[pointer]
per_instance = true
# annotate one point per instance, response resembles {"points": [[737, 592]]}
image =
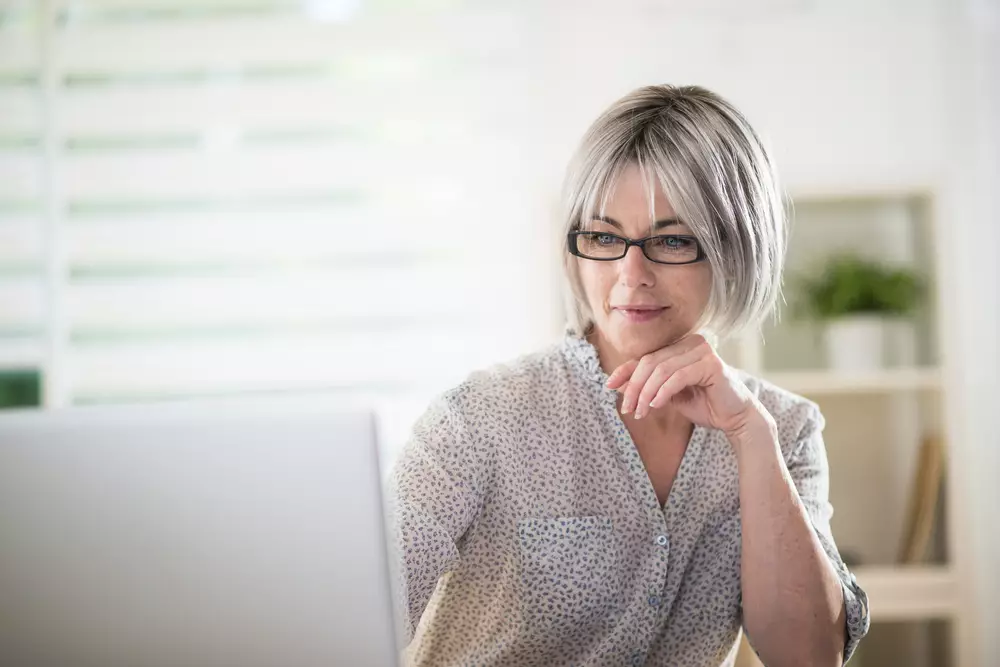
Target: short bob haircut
{"points": [[719, 178]]}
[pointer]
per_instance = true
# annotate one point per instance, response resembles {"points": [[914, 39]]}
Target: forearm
{"points": [[793, 605], [429, 509]]}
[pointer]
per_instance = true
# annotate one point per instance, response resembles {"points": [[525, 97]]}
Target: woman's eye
{"points": [[674, 242], [605, 239]]}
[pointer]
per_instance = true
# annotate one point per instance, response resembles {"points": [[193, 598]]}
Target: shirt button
{"points": [[662, 540], [637, 659], [654, 600]]}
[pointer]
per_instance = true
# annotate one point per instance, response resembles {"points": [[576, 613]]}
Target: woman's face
{"points": [[638, 305]]}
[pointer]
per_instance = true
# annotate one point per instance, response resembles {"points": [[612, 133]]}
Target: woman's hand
{"points": [[691, 377]]}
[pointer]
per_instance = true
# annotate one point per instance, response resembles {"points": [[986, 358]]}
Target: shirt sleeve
{"points": [[810, 473], [432, 498]]}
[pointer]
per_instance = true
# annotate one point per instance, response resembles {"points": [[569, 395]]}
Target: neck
{"points": [[665, 419], [608, 355]]}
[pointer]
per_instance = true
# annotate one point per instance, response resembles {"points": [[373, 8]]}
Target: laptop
{"points": [[217, 533]]}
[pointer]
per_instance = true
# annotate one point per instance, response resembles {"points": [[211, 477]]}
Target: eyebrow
{"points": [[658, 225]]}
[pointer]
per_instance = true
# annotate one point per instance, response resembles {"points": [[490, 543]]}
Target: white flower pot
{"points": [[855, 343], [900, 343]]}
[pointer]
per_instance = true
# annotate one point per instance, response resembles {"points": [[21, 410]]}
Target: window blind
{"points": [[22, 205], [258, 195]]}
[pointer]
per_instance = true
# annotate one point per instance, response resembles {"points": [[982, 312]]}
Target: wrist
{"points": [[754, 429]]}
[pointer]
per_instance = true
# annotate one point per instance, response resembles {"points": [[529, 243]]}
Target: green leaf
{"points": [[849, 285], [20, 389]]}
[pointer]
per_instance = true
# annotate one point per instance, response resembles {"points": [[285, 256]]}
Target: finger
{"points": [[637, 381], [679, 381], [664, 370], [647, 364], [649, 389], [687, 343], [621, 374]]}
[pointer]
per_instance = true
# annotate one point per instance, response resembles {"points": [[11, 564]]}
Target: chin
{"points": [[634, 341]]}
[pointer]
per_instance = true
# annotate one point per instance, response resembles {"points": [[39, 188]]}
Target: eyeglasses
{"points": [[662, 249]]}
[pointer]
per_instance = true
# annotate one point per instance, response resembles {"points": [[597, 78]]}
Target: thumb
{"points": [[621, 374]]}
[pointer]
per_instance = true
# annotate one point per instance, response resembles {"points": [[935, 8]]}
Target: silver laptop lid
{"points": [[214, 533]]}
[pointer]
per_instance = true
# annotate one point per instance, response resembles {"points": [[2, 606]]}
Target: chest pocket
{"points": [[568, 579]]}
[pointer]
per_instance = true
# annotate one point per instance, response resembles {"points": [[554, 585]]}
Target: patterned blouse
{"points": [[528, 532]]}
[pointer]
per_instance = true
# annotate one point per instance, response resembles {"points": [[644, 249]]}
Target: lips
{"points": [[640, 313]]}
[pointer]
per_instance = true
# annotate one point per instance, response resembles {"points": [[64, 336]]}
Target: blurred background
{"points": [[212, 197]]}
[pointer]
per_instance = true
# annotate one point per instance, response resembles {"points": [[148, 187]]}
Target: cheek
{"points": [[694, 287], [704, 285], [595, 282]]}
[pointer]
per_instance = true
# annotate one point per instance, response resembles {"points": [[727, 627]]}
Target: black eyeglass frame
{"points": [[571, 238]]}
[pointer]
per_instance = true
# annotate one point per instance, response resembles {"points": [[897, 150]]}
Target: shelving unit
{"points": [[820, 383], [908, 593], [876, 421]]}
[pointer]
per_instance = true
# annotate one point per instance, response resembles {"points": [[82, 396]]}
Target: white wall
{"points": [[974, 206]]}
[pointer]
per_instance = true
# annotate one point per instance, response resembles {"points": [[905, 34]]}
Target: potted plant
{"points": [[855, 299]]}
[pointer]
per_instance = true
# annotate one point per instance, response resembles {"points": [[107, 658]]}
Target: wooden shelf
{"points": [[908, 593], [895, 593], [829, 382]]}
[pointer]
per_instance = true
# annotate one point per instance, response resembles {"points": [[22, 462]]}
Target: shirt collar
{"points": [[585, 359]]}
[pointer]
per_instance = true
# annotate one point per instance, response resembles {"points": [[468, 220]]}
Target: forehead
{"points": [[634, 205], [636, 193], [633, 198]]}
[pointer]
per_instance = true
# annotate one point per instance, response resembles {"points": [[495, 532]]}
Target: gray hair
{"points": [[718, 176]]}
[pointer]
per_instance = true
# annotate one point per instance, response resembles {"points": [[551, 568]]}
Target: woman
{"points": [[625, 497]]}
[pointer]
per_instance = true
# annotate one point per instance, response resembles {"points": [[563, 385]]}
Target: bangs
{"points": [[653, 170]]}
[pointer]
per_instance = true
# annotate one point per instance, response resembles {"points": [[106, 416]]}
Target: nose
{"points": [[634, 270]]}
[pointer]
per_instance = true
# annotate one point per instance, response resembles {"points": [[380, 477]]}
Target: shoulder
{"points": [[504, 388], [796, 417]]}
